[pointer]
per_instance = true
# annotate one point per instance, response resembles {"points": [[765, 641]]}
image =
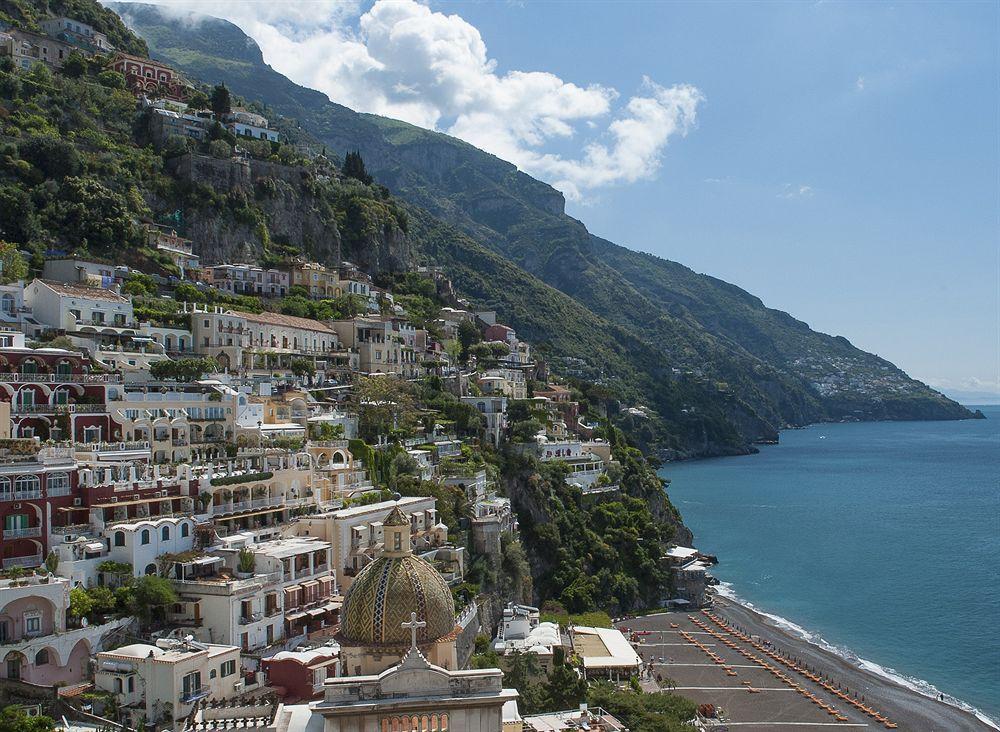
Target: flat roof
{"points": [[289, 547], [376, 507], [603, 647]]}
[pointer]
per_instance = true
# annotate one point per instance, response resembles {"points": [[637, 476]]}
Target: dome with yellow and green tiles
{"points": [[386, 591]]}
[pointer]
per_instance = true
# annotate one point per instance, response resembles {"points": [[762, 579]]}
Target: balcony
{"points": [[32, 561], [112, 446], [20, 495], [251, 618], [58, 408], [61, 378], [62, 490], [191, 695], [26, 533]]}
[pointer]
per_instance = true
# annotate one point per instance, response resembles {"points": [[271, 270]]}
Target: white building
{"points": [[520, 631], [494, 410], [80, 310], [164, 681], [141, 542]]}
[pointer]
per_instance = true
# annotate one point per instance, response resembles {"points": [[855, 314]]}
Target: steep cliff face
{"points": [[240, 210]]}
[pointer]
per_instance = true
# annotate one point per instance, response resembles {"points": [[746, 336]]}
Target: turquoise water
{"points": [[882, 539]]}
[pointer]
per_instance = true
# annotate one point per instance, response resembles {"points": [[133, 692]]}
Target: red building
{"points": [[38, 487], [147, 77], [299, 675], [52, 395]]}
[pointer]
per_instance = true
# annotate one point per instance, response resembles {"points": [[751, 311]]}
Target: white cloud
{"points": [[401, 59], [860, 83], [796, 191]]}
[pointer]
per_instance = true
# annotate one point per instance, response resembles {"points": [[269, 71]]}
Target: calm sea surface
{"points": [[880, 539]]}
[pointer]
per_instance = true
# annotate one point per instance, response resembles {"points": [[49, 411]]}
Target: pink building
{"points": [[37, 645]]}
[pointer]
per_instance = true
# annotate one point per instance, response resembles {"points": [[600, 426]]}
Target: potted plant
{"points": [[246, 563]]}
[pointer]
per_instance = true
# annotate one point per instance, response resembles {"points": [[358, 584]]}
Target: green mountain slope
{"points": [[682, 333]]}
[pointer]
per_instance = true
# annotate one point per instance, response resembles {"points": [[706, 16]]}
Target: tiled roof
{"points": [[94, 293], [286, 321]]}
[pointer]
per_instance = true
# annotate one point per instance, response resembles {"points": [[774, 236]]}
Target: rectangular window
{"points": [[33, 624]]}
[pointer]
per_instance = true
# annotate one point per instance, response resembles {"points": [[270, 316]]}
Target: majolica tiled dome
{"points": [[386, 591]]}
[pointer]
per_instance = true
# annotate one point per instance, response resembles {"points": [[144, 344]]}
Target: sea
{"points": [[877, 540]]}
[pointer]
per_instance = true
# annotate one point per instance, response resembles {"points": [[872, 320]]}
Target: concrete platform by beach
{"points": [[697, 676], [778, 706]]}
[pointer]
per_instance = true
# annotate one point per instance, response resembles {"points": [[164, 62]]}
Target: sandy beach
{"points": [[715, 660]]}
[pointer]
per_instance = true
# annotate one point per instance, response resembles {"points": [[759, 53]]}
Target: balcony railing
{"points": [[32, 561], [61, 490], [29, 532], [20, 495], [190, 695], [113, 446], [16, 408], [45, 378], [251, 618]]}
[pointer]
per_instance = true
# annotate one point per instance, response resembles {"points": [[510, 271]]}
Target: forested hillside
{"points": [[771, 369]]}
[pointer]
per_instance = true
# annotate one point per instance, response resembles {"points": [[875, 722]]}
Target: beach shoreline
{"points": [[911, 708]]}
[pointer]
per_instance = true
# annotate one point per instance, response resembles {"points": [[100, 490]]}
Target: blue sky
{"points": [[838, 160]]}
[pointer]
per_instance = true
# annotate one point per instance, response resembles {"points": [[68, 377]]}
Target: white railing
{"points": [[112, 446], [61, 378], [29, 532], [20, 495], [58, 491], [22, 561], [58, 408]]}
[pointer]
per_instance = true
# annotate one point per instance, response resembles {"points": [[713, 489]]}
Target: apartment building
{"points": [[162, 683]]}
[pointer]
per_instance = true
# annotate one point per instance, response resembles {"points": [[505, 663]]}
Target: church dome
{"points": [[386, 591]]}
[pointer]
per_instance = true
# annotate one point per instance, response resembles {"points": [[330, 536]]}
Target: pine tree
{"points": [[354, 167], [221, 103]]}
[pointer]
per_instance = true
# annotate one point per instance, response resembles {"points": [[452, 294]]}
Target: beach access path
{"points": [[764, 678]]}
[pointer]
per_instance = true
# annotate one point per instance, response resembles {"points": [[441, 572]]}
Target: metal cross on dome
{"points": [[414, 625]]}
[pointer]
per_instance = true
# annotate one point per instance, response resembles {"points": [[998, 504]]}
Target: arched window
{"points": [[57, 483], [150, 568], [185, 530], [29, 366], [26, 483], [131, 684], [118, 686], [42, 657], [144, 536], [165, 533], [5, 487], [119, 538], [64, 367]]}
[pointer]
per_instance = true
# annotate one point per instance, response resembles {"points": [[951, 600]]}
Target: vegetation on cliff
{"points": [[717, 367]]}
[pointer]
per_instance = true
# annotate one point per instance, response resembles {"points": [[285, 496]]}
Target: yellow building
{"points": [[317, 279]]}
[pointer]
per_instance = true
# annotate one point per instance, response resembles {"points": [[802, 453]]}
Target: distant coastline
{"points": [[735, 512]]}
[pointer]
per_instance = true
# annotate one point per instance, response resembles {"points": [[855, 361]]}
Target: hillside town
{"points": [[290, 492]]}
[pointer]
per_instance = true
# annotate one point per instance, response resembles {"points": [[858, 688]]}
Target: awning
{"points": [[95, 546], [205, 560], [317, 611], [294, 616], [311, 583]]}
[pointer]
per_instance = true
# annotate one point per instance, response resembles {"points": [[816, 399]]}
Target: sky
{"points": [[838, 160]]}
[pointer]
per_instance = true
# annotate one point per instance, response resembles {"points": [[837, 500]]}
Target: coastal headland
{"points": [[760, 677]]}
